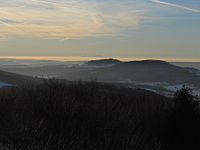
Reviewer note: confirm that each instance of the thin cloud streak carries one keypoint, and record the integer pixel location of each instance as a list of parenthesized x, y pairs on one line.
[(176, 5), (64, 20)]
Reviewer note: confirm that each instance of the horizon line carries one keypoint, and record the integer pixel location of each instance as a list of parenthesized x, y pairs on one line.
[(87, 58)]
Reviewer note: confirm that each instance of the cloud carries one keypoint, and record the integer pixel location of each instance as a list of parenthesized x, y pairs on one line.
[(7, 21), (177, 6), (61, 19)]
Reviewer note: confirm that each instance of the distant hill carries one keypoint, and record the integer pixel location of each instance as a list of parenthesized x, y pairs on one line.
[(139, 71), (12, 78), (147, 74), (103, 62)]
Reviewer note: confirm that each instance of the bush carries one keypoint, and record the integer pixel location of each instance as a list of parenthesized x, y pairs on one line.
[(183, 123)]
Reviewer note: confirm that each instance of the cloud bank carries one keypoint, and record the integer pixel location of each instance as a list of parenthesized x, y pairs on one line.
[(176, 5), (65, 19)]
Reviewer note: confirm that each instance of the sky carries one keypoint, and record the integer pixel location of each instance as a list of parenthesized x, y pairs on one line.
[(163, 29)]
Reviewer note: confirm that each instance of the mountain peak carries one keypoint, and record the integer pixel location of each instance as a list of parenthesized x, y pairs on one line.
[(149, 62), (102, 62)]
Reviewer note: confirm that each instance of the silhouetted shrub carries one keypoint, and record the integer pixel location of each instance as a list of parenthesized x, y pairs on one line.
[(183, 123)]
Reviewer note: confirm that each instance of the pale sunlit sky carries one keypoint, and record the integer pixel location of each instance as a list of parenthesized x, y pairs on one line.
[(101, 28)]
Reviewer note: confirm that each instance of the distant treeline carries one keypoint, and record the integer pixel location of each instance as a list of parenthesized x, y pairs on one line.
[(58, 115)]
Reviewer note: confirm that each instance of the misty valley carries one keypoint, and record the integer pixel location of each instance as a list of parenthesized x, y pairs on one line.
[(153, 75)]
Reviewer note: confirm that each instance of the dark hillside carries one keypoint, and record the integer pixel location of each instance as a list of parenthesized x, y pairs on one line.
[(59, 115), (13, 78)]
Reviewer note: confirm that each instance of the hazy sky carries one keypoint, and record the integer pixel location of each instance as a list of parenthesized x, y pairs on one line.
[(113, 28)]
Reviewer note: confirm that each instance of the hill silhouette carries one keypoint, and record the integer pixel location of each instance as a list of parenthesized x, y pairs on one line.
[(103, 62), (135, 71), (16, 79)]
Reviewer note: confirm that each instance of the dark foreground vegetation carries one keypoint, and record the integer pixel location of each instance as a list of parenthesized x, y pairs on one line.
[(89, 116)]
